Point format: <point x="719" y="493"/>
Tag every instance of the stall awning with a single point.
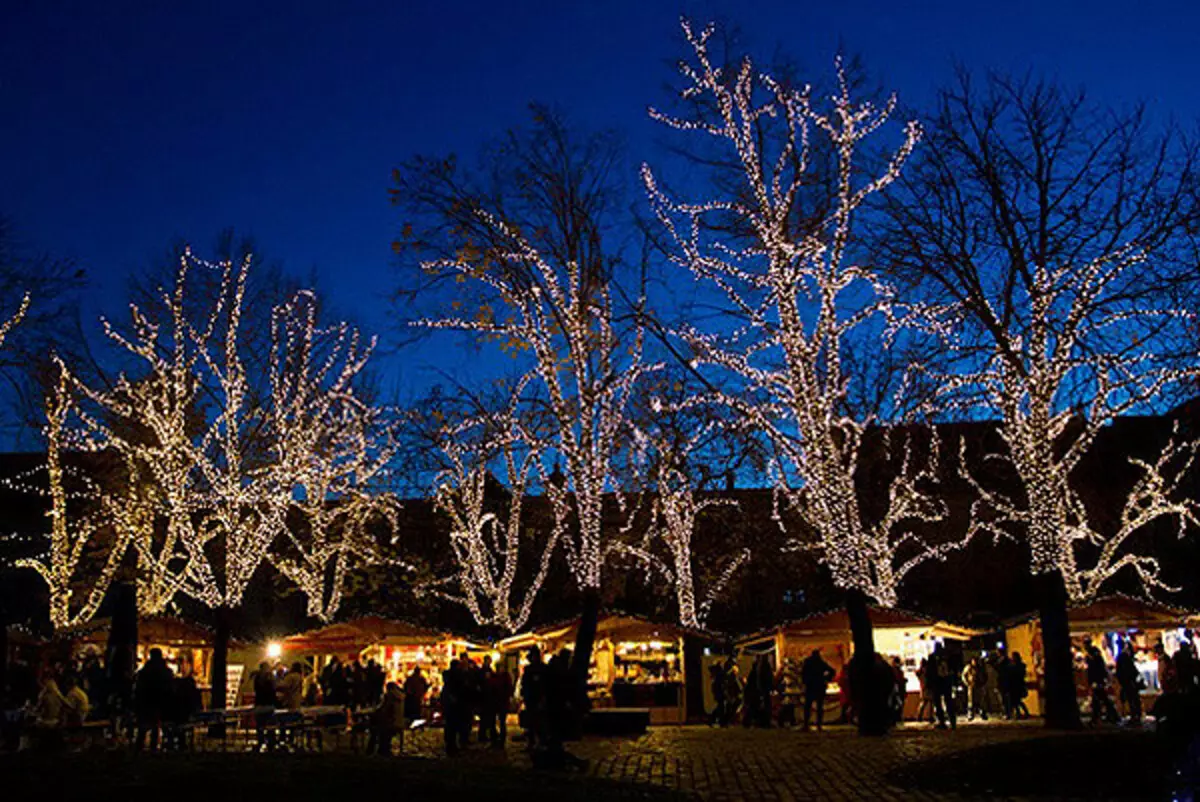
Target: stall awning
<point x="614" y="626"/>
<point x="1119" y="612"/>
<point x="835" y="624"/>
<point x="159" y="630"/>
<point x="359" y="633"/>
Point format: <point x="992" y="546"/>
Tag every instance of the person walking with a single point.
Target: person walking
<point x="899" y="691"/>
<point x="152" y="690"/>
<point x="1129" y="680"/>
<point x="1097" y="677"/>
<point x="453" y="703"/>
<point x="733" y="693"/>
<point x="816" y="675"/>
<point x="926" y="691"/>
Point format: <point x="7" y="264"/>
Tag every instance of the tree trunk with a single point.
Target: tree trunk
<point x="1060" y="708"/>
<point x="4" y="657"/>
<point x="121" y="655"/>
<point x="581" y="659"/>
<point x="870" y="706"/>
<point x="220" y="658"/>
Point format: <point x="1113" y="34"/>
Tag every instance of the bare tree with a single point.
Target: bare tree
<point x="1038" y="237"/>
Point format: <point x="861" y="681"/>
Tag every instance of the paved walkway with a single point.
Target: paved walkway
<point x="740" y="764"/>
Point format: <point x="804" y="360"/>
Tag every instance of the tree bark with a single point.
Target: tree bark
<point x="870" y="705"/>
<point x="585" y="640"/>
<point x="121" y="654"/>
<point x="220" y="658"/>
<point x="1060" y="708"/>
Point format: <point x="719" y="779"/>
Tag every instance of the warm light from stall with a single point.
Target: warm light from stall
<point x="274" y="650"/>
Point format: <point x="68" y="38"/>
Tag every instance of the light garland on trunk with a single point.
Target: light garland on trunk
<point x="563" y="316"/>
<point x="486" y="545"/>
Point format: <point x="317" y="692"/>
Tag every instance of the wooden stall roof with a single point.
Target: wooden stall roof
<point x="836" y="623"/>
<point x="359" y="633"/>
<point x="162" y="630"/>
<point x="612" y="624"/>
<point x="1119" y="611"/>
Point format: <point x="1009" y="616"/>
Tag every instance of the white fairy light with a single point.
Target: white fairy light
<point x="798" y="300"/>
<point x="1066" y="336"/>
<point x="564" y="319"/>
<point x="212" y="473"/>
<point x="486" y="545"/>
<point x="329" y="448"/>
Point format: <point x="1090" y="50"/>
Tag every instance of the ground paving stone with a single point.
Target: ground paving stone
<point x="737" y="764"/>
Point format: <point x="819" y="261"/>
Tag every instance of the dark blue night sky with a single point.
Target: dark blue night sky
<point x="126" y="124"/>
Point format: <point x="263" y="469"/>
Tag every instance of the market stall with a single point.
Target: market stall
<point x="898" y="633"/>
<point x="398" y="646"/>
<point x="186" y="646"/>
<point x="636" y="663"/>
<point x="1106" y="622"/>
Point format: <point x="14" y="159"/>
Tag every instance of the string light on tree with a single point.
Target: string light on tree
<point x="798" y="299"/>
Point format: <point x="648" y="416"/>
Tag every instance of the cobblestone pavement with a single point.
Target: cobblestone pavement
<point x="739" y="764"/>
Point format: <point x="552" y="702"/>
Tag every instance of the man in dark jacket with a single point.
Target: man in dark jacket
<point x="816" y="675"/>
<point x="1097" y="677"/>
<point x="1130" y="681"/>
<point x="264" y="706"/>
<point x="152" y="692"/>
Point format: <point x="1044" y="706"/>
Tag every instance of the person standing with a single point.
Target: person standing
<point x="265" y="700"/>
<point x="899" y="691"/>
<point x="1019" y="690"/>
<point x="926" y="691"/>
<point x="487" y="713"/>
<point x="1129" y="680"/>
<point x="942" y="680"/>
<point x="716" y="682"/>
<point x="415" y="688"/>
<point x="152" y="690"/>
<point x="533" y="698"/>
<point x="387" y="721"/>
<point x="816" y="674"/>
<point x="1097" y="677"/>
<point x="975" y="678"/>
<point x="499" y="690"/>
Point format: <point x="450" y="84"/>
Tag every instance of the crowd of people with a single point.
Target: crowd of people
<point x="476" y="697"/>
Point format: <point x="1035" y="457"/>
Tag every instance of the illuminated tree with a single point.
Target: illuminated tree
<point x="329" y="449"/>
<point x="529" y="270"/>
<point x="675" y="510"/>
<point x="487" y="534"/>
<point x="784" y="271"/>
<point x="1042" y="237"/>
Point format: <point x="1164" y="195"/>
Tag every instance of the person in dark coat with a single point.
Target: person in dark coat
<point x="185" y="703"/>
<point x="533" y="699"/>
<point x="415" y="688"/>
<point x="716" y="673"/>
<point x="816" y="675"/>
<point x="499" y="690"/>
<point x="387" y="720"/>
<point x="940" y="677"/>
<point x="152" y="690"/>
<point x="1097" y="677"/>
<point x="1019" y="689"/>
<point x="454" y="702"/>
<point x="1129" y="680"/>
<point x="265" y="700"/>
